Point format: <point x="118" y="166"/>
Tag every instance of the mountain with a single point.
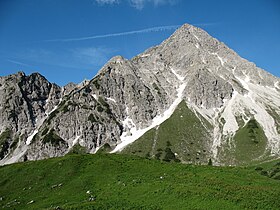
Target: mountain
<point x="189" y="99"/>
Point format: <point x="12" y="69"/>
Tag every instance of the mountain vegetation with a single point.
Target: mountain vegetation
<point x="114" y="181"/>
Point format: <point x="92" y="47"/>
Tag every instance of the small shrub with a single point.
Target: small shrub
<point x="53" y="138"/>
<point x="169" y="155"/>
<point x="12" y="115"/>
<point x="252" y="124"/>
<point x="45" y="131"/>
<point x="210" y="163"/>
<point x="104" y="104"/>
<point x="85" y="106"/>
<point x="168" y="144"/>
<point x="106" y="148"/>
<point x="274" y="171"/>
<point x="77" y="149"/>
<point x="87" y="89"/>
<point x="147" y="155"/>
<point x="5" y="135"/>
<point x="99" y="108"/>
<point x="91" y="118"/>
<point x="277" y="164"/>
<point x="264" y="173"/>
<point x="277" y="177"/>
<point x="51" y="116"/>
<point x="15" y="142"/>
<point x="65" y="109"/>
<point x="96" y="83"/>
<point x="156" y="88"/>
<point x="158" y="155"/>
<point x="258" y="168"/>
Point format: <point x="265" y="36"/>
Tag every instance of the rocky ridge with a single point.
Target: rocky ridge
<point x="129" y="97"/>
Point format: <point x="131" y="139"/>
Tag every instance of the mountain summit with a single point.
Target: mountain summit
<point x="189" y="99"/>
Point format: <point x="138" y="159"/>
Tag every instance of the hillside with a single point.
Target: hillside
<point x="185" y="137"/>
<point x="114" y="181"/>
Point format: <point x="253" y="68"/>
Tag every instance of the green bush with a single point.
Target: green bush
<point x="53" y="139"/>
<point x="104" y="104"/>
<point x="106" y="148"/>
<point x="96" y="83"/>
<point x="99" y="108"/>
<point x="91" y="118"/>
<point x="45" y="131"/>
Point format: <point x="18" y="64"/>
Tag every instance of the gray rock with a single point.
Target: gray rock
<point x="125" y="95"/>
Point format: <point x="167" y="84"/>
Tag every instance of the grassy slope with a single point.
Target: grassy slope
<point x="250" y="142"/>
<point x="191" y="140"/>
<point x="187" y="136"/>
<point x="130" y="182"/>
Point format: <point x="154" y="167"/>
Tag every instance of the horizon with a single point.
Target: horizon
<point x="77" y="39"/>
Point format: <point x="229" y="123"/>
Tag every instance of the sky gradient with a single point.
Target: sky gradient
<point x="70" y="40"/>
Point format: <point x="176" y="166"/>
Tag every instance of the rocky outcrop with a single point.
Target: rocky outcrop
<point x="25" y="102"/>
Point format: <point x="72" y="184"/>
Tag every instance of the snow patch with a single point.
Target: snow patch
<point x="75" y="141"/>
<point x="276" y="85"/>
<point x="22" y="147"/>
<point x="197" y="45"/>
<point x="230" y="126"/>
<point x="39" y="123"/>
<point x="199" y="117"/>
<point x="48" y="113"/>
<point x="220" y="58"/>
<point x="135" y="134"/>
<point x="15" y="155"/>
<point x="96" y="149"/>
<point x="255" y="102"/>
<point x="129" y="125"/>
<point x="203" y="60"/>
<point x="29" y="138"/>
<point x="207" y="114"/>
<point x="126" y="109"/>
<point x="144" y="55"/>
<point x="247" y="79"/>
<point x="94" y="96"/>
<point x="111" y="99"/>
<point x="196" y="37"/>
<point x="177" y="75"/>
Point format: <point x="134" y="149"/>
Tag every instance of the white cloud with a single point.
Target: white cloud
<point x="138" y="4"/>
<point x="102" y="2"/>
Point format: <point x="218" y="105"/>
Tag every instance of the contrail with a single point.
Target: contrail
<point x="17" y="62"/>
<point x="142" y="31"/>
<point x="146" y="30"/>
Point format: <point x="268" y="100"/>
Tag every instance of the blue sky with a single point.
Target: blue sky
<point x="63" y="39"/>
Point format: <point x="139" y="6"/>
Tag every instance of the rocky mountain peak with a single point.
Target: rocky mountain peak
<point x="218" y="89"/>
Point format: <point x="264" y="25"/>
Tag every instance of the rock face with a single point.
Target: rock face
<point x="129" y="97"/>
<point x="25" y="102"/>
